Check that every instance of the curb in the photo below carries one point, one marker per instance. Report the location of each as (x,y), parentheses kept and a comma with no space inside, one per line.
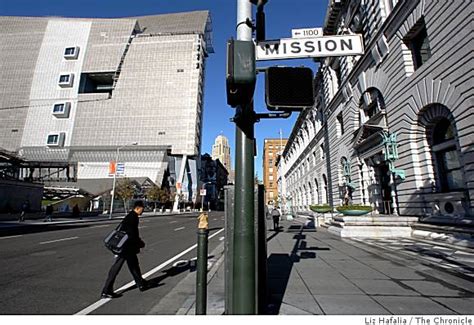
(13,225)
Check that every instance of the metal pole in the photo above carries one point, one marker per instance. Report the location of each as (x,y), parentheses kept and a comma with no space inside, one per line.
(113,185)
(201,267)
(201,273)
(202,198)
(243,280)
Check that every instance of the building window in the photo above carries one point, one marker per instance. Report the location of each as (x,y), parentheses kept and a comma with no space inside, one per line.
(58,108)
(449,168)
(270,170)
(66,80)
(418,42)
(371,103)
(71,53)
(340,124)
(321,151)
(55,139)
(270,178)
(61,109)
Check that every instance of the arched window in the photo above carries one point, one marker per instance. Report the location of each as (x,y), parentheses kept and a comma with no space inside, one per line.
(316,191)
(445,155)
(324,192)
(370,104)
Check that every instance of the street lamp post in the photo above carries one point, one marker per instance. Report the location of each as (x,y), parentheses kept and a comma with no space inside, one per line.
(202,196)
(115,176)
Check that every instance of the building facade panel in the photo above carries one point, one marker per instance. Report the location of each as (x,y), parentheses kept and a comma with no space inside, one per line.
(20,42)
(45,89)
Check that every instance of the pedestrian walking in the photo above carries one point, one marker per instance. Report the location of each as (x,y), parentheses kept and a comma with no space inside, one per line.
(48,213)
(129,254)
(76,212)
(24,210)
(276,218)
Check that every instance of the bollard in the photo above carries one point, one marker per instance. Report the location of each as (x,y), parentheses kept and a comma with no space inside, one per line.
(201,267)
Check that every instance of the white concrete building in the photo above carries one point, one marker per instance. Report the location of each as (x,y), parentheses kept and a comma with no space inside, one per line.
(76,89)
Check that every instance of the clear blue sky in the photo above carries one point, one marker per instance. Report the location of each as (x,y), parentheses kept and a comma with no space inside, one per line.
(281,17)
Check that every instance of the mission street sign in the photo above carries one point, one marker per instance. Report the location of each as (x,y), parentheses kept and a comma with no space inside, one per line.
(297,48)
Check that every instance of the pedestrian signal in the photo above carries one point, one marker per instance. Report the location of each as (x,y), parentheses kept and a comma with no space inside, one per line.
(289,88)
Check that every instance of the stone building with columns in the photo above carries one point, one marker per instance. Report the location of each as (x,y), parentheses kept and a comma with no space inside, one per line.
(392,128)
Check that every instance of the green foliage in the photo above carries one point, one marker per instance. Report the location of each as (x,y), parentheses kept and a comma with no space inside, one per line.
(125,189)
(357,207)
(156,194)
(320,208)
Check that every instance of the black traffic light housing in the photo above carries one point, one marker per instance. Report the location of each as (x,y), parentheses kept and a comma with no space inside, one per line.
(289,88)
(240,74)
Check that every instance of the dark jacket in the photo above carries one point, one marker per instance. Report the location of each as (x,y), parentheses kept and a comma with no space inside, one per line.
(130,226)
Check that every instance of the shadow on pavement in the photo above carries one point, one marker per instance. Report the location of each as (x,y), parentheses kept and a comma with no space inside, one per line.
(170,272)
(280,266)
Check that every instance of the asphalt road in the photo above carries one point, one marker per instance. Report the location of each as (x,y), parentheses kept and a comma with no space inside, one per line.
(63,271)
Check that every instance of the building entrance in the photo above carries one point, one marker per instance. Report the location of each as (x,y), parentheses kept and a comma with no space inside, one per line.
(385,189)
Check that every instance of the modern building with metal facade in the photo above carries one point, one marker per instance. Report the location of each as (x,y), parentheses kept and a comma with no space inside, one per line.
(395,126)
(76,90)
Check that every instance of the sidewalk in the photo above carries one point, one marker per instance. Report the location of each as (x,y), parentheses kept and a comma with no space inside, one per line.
(313,272)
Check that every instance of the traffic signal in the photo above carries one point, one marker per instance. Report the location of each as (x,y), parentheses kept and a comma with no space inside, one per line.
(289,88)
(240,74)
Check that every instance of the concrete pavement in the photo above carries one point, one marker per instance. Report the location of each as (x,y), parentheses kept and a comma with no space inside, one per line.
(313,272)
(61,269)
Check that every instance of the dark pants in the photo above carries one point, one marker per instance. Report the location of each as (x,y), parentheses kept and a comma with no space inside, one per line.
(276,220)
(133,266)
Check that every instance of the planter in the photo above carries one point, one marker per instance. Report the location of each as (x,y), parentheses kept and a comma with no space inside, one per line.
(321,209)
(354,212)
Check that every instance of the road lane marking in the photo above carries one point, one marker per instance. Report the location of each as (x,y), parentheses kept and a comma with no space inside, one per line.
(141,227)
(180,228)
(103,301)
(57,240)
(101,226)
(174,221)
(11,237)
(221,238)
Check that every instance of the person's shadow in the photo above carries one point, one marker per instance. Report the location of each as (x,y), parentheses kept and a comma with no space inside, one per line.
(169,272)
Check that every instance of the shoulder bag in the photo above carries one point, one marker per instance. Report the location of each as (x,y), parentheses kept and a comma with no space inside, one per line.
(115,241)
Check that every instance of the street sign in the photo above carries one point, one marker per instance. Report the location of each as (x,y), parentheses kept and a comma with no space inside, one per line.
(112,167)
(297,48)
(120,168)
(307,32)
(202,192)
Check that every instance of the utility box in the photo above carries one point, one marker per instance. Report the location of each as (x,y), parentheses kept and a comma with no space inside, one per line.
(289,88)
(240,72)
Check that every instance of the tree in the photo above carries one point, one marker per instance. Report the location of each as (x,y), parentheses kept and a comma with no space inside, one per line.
(156,194)
(125,190)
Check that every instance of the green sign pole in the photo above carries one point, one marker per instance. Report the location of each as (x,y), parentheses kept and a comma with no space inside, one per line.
(243,281)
